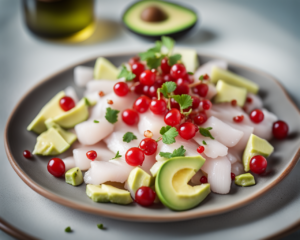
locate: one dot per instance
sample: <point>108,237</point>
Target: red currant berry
<point>137,68</point>
<point>201,90</point>
<point>121,89</point>
<point>158,106</point>
<point>232,176</point>
<point>238,119</point>
<point>27,154</point>
<point>146,90</point>
<point>182,80</point>
<point>203,179</point>
<point>56,167</point>
<point>249,100</point>
<point>147,77</point>
<point>173,117</point>
<point>138,89</point>
<point>280,129</point>
<point>258,164</point>
<point>92,155</point>
<point>142,104</point>
<point>174,104</point>
<point>200,149</point>
<point>145,196</point>
<point>182,89</point>
<point>134,59</point>
<point>134,156</point>
<point>159,80</point>
<point>233,103</point>
<point>152,91</point>
<point>205,104</point>
<point>168,78</point>
<point>148,145</point>
<point>187,130</point>
<point>200,118</point>
<point>178,71</point>
<point>196,102</point>
<point>165,67</point>
<point>205,77</point>
<point>130,117</point>
<point>257,116</point>
<point>66,103</point>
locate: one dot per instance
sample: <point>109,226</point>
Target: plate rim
<point>178,216</point>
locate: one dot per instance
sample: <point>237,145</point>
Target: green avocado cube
<point>116,195</point>
<point>244,180</point>
<point>74,176</point>
<point>256,146</point>
<point>227,93</point>
<point>96,193</point>
<point>104,69</point>
<point>156,166</point>
<point>50,143</point>
<point>74,116</point>
<point>233,79</point>
<point>50,110</point>
<point>189,58</point>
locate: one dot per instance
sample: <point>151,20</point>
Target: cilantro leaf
<point>179,152</point>
<point>190,73</point>
<point>145,55</point>
<point>100,226</point>
<point>128,137</point>
<point>204,143</point>
<point>68,229</point>
<point>154,62</point>
<point>174,59</point>
<point>168,43</point>
<point>168,134</point>
<point>117,155</point>
<point>168,87</point>
<point>128,75</point>
<point>111,115</point>
<point>157,48</point>
<point>87,102</point>
<point>205,132</point>
<point>201,77</point>
<point>184,100</point>
<point>96,121</point>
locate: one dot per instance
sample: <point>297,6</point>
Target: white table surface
<point>262,34</point>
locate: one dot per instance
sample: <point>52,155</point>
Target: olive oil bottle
<point>58,18</point>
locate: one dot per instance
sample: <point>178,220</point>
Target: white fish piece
<point>152,122</point>
<point>92,97</point>
<point>213,148</point>
<point>70,92</point>
<point>196,178</point>
<point>148,163</point>
<point>207,67</point>
<point>119,103</point>
<point>226,112</point>
<point>123,127</point>
<point>113,171</point>
<point>222,132</point>
<point>106,86</point>
<point>82,75</point>
<point>237,168</point>
<point>218,174</point>
<point>69,163</point>
<point>81,160</point>
<point>89,132</point>
<point>189,145</point>
<point>233,156</point>
<point>255,104</point>
<point>212,91</point>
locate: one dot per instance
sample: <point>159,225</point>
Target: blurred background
<point>38,38</point>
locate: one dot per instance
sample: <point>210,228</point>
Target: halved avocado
<point>153,19</point>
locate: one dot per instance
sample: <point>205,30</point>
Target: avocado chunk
<point>106,193</point>
<point>227,93</point>
<point>233,79</point>
<point>74,176</point>
<point>171,183</point>
<point>244,180</point>
<point>104,69</point>
<point>74,116</point>
<point>68,136</point>
<point>136,179</point>
<point>256,146</point>
<point>50,143</point>
<point>156,166</point>
<point>152,19</point>
<point>50,110</point>
<point>189,58</point>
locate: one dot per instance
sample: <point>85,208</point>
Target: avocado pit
<point>153,14</point>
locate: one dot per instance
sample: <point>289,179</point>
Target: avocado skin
<point>175,35</point>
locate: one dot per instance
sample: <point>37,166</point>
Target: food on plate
<point>161,126</point>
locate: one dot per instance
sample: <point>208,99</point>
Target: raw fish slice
<point>113,171</point>
<point>106,86</point>
<point>255,104</point>
<point>237,168</point>
<point>69,163</point>
<point>189,145</point>
<point>123,127</point>
<point>119,103</point>
<point>218,174</point>
<point>226,112</point>
<point>207,67</point>
<point>222,132</point>
<point>233,156</point>
<point>70,92</point>
<point>82,75</point>
<point>93,97</point>
<point>212,91</point>
<point>152,122</point>
<point>213,148</point>
<point>196,178</point>
<point>148,163</point>
<point>89,132</point>
<point>83,162</point>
